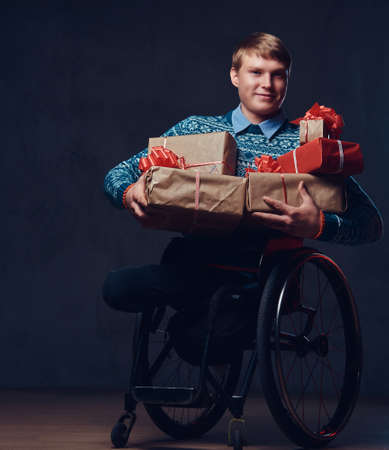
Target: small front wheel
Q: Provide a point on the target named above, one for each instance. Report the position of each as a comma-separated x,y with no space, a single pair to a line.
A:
236,433
121,432
237,440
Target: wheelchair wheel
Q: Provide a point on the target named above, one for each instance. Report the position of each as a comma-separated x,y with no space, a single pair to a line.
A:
166,368
309,348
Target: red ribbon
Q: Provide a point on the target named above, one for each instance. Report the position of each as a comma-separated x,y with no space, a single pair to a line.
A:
265,164
163,157
333,121
284,188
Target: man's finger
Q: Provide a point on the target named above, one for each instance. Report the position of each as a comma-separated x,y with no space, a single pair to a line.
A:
141,199
303,190
141,192
138,211
279,206
304,194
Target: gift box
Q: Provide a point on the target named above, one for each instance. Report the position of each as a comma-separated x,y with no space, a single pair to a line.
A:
319,121
312,129
325,156
194,201
213,153
327,192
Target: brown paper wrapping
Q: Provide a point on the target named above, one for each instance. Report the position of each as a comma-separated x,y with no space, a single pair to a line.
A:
327,192
202,148
171,195
312,129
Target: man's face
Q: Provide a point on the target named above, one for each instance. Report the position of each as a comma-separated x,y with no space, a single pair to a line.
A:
261,84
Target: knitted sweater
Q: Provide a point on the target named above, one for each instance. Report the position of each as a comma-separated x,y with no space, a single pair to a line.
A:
361,223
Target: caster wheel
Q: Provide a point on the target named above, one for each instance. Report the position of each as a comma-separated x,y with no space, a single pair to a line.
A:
237,441
236,433
119,435
120,432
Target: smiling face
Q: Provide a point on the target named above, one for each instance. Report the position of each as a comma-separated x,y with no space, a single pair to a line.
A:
262,85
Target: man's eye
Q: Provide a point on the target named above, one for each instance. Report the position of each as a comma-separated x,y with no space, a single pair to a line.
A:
256,72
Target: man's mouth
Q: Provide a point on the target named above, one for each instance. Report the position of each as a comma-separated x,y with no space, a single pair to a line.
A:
265,95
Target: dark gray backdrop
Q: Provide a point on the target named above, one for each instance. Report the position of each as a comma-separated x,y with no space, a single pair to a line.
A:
83,85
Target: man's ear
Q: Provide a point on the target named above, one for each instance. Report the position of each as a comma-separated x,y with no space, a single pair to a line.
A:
234,77
289,70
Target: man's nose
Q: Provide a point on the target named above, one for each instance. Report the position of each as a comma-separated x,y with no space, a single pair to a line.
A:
266,80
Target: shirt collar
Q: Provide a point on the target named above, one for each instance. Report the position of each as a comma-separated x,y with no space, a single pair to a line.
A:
268,127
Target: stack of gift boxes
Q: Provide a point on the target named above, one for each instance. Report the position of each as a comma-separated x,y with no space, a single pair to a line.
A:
191,187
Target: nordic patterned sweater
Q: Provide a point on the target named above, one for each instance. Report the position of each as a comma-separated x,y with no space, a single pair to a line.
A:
361,223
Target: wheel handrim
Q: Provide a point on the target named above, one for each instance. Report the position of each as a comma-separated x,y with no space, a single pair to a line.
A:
313,356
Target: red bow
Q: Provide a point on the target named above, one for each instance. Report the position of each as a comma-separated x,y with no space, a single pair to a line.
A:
161,156
264,164
333,121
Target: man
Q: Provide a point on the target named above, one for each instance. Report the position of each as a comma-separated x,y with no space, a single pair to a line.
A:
260,71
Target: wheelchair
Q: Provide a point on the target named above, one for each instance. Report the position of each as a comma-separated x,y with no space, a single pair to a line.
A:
302,334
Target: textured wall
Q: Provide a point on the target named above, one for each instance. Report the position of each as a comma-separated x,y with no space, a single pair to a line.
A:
83,85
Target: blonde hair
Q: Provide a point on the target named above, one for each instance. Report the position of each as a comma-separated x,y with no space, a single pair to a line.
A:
265,45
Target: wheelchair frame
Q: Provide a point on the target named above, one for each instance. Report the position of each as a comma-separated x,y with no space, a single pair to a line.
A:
270,290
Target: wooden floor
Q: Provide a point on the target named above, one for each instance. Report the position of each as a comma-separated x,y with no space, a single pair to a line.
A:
82,420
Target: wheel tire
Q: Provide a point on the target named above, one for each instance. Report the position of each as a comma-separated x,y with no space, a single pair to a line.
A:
276,343
237,442
119,435
177,422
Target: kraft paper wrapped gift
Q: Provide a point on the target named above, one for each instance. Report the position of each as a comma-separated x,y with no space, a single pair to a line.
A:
325,156
327,192
213,153
312,129
319,121
194,201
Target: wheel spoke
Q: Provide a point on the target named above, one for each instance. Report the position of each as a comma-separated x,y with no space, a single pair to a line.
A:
316,385
328,365
335,327
291,366
332,321
320,397
323,290
336,348
304,386
320,303
332,372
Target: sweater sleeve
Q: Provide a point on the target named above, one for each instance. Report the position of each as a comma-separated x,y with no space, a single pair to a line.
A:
127,172
361,223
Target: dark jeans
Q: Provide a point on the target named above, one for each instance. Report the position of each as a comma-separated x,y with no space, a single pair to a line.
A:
182,280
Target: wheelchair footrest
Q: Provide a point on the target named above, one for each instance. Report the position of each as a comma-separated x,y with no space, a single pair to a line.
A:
170,396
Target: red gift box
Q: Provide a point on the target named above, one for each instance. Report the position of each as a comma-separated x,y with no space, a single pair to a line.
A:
327,156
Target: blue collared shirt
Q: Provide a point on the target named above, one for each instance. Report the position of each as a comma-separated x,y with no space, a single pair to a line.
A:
268,127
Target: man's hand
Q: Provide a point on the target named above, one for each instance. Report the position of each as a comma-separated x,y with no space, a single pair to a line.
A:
302,221
136,202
